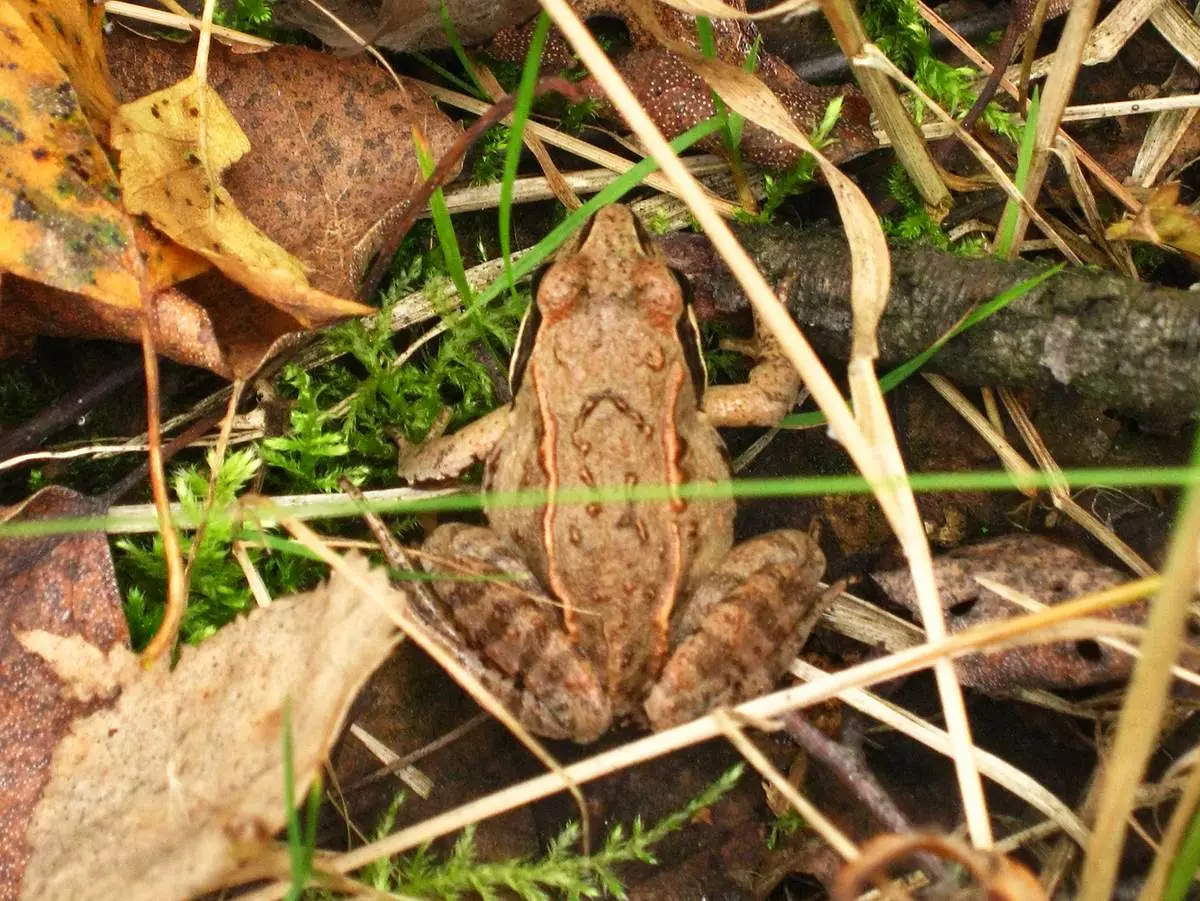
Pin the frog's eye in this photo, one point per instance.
(660, 300)
(560, 288)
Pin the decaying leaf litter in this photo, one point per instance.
(1075, 432)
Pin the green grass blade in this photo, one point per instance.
(299, 856)
(1008, 222)
(516, 135)
(468, 67)
(1186, 864)
(708, 49)
(808, 486)
(737, 122)
(440, 214)
(895, 376)
(462, 84)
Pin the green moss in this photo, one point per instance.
(899, 31)
(560, 872)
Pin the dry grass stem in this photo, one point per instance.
(1118, 253)
(1012, 461)
(1033, 605)
(427, 642)
(995, 768)
(181, 21)
(571, 144)
(471, 198)
(1060, 490)
(258, 588)
(1145, 702)
(1167, 128)
(1110, 35)
(813, 817)
(132, 519)
(719, 10)
(1179, 29)
(420, 783)
(554, 177)
(1059, 84)
(1110, 184)
(894, 118)
(873, 57)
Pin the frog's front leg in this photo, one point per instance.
(766, 397)
(511, 634)
(448, 456)
(740, 628)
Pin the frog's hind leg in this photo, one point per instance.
(510, 634)
(742, 626)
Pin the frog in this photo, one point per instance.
(582, 612)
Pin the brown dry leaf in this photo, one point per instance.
(1042, 569)
(215, 324)
(332, 143)
(1164, 221)
(63, 584)
(405, 24)
(177, 784)
(64, 226)
(174, 145)
(70, 30)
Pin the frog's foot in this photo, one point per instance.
(766, 396)
(511, 635)
(741, 628)
(442, 456)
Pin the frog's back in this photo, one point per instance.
(621, 415)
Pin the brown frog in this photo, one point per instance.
(628, 608)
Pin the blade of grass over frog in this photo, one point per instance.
(444, 227)
(516, 139)
(1008, 222)
(612, 192)
(140, 518)
(441, 70)
(456, 45)
(905, 370)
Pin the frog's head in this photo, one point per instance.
(611, 272)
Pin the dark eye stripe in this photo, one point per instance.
(526, 335)
(688, 332)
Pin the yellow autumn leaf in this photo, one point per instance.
(64, 225)
(1162, 220)
(70, 30)
(174, 145)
